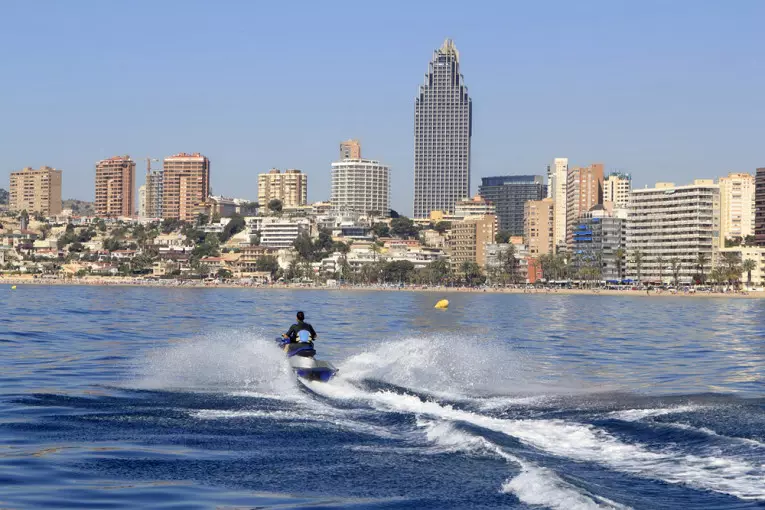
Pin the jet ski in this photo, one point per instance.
(301, 358)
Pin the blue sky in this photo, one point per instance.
(665, 90)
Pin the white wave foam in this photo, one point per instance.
(729, 475)
(641, 414)
(230, 361)
(452, 368)
(541, 486)
(534, 485)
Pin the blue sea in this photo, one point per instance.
(178, 398)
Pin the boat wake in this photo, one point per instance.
(564, 445)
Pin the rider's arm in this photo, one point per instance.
(312, 331)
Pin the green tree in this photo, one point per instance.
(502, 237)
(398, 271)
(275, 206)
(620, 253)
(235, 225)
(661, 262)
(637, 257)
(676, 265)
(748, 266)
(267, 263)
(442, 227)
(702, 259)
(224, 274)
(304, 246)
(732, 266)
(472, 273)
(381, 229)
(404, 228)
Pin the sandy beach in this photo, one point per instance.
(196, 284)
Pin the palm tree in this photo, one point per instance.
(701, 262)
(620, 253)
(676, 266)
(637, 257)
(660, 261)
(748, 265)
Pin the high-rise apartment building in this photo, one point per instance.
(155, 196)
(539, 226)
(584, 190)
(556, 189)
(185, 185)
(350, 149)
(36, 191)
(442, 130)
(737, 192)
(509, 194)
(115, 187)
(361, 186)
(468, 240)
(600, 244)
(759, 207)
(142, 201)
(673, 224)
(291, 187)
(617, 188)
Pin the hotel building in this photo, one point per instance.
(115, 185)
(36, 191)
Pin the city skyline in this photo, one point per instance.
(656, 102)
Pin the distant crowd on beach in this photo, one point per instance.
(514, 289)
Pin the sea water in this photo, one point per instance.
(178, 398)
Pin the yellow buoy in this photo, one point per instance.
(13, 287)
(443, 304)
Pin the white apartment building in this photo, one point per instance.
(476, 206)
(556, 189)
(736, 205)
(669, 222)
(361, 186)
(282, 232)
(617, 188)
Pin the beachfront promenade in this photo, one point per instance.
(515, 289)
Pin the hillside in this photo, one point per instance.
(79, 207)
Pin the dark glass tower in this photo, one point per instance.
(442, 129)
(509, 194)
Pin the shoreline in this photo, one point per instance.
(191, 284)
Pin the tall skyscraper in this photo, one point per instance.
(558, 177)
(509, 194)
(737, 192)
(291, 187)
(617, 188)
(442, 130)
(584, 189)
(36, 191)
(115, 187)
(361, 186)
(185, 186)
(759, 207)
(350, 149)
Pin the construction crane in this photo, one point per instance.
(148, 164)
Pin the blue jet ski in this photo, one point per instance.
(301, 358)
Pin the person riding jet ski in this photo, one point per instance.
(301, 331)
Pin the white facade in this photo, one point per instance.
(673, 222)
(736, 205)
(281, 233)
(142, 201)
(361, 186)
(617, 188)
(475, 206)
(559, 174)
